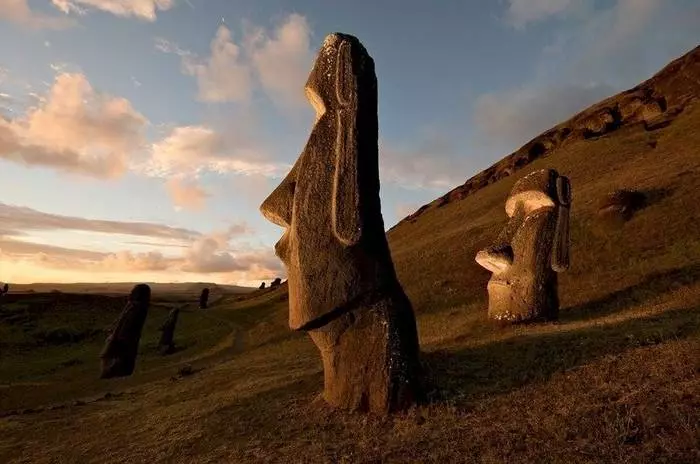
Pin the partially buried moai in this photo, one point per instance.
(343, 288)
(530, 251)
(119, 354)
(204, 298)
(166, 345)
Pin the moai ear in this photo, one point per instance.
(562, 242)
(346, 219)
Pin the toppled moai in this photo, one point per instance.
(166, 344)
(276, 283)
(343, 288)
(530, 251)
(204, 298)
(262, 286)
(119, 354)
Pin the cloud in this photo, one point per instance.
(522, 12)
(223, 76)
(196, 149)
(201, 254)
(186, 195)
(432, 163)
(17, 219)
(141, 9)
(76, 129)
(19, 12)
(282, 60)
(275, 62)
(513, 117)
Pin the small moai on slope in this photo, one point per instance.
(262, 286)
(166, 344)
(4, 289)
(276, 283)
(204, 298)
(343, 288)
(530, 251)
(120, 350)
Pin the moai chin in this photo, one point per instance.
(530, 251)
(120, 350)
(343, 288)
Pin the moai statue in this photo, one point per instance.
(262, 286)
(4, 289)
(276, 283)
(343, 288)
(166, 345)
(204, 298)
(530, 251)
(119, 354)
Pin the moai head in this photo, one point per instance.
(262, 286)
(334, 245)
(532, 247)
(4, 289)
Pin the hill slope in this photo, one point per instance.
(616, 380)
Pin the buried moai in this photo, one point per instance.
(204, 298)
(530, 251)
(276, 283)
(166, 344)
(343, 288)
(262, 286)
(119, 354)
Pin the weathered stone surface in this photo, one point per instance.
(204, 298)
(530, 250)
(119, 354)
(343, 287)
(621, 205)
(166, 344)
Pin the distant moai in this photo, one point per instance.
(262, 286)
(343, 288)
(204, 298)
(276, 283)
(166, 344)
(4, 289)
(530, 251)
(120, 350)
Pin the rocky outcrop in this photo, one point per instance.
(653, 104)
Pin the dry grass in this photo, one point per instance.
(616, 380)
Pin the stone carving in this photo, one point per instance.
(119, 354)
(343, 288)
(276, 283)
(166, 344)
(262, 286)
(531, 250)
(204, 298)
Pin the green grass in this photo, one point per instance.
(617, 379)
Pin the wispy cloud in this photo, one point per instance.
(141, 9)
(19, 12)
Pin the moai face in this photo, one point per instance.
(334, 245)
(532, 247)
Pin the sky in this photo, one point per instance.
(139, 137)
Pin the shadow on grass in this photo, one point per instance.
(652, 285)
(464, 375)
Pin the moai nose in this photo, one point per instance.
(277, 208)
(496, 258)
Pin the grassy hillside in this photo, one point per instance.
(616, 380)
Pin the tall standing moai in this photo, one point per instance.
(530, 251)
(276, 283)
(343, 288)
(204, 298)
(166, 344)
(119, 354)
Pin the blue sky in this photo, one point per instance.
(138, 137)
